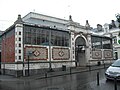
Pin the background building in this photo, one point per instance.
(37, 43)
(112, 30)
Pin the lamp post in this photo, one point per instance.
(28, 66)
(28, 54)
(50, 66)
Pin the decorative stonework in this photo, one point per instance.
(60, 53)
(97, 54)
(108, 54)
(37, 53)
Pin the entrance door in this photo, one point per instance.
(80, 56)
(116, 55)
(80, 51)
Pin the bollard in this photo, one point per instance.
(89, 68)
(70, 70)
(104, 65)
(115, 83)
(46, 75)
(98, 79)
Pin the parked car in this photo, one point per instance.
(113, 71)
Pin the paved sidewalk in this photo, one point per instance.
(51, 74)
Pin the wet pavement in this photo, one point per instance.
(86, 80)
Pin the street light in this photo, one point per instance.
(29, 54)
(50, 66)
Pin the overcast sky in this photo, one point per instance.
(95, 11)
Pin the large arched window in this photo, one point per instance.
(80, 42)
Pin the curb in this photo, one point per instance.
(68, 73)
(58, 73)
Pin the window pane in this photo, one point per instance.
(40, 36)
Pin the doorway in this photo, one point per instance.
(80, 45)
(116, 55)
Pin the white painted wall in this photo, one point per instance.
(18, 28)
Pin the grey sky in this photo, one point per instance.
(96, 11)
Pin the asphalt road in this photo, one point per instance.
(78, 81)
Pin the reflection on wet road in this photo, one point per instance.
(78, 81)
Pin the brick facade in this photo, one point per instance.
(8, 49)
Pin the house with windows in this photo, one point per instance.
(112, 30)
(37, 43)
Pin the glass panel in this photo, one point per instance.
(40, 36)
(96, 42)
(106, 43)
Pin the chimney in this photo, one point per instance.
(19, 20)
